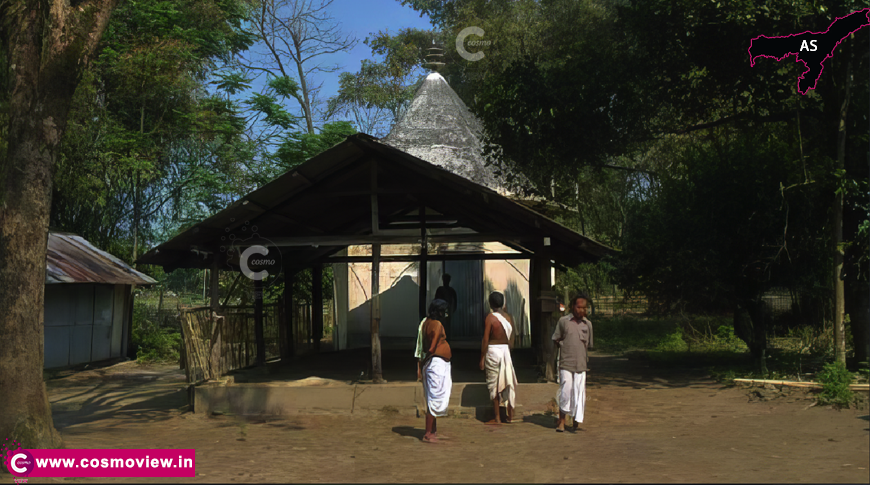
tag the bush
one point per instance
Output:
(835, 380)
(673, 342)
(156, 344)
(624, 333)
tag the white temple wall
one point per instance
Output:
(399, 294)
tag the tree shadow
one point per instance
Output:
(409, 431)
(147, 406)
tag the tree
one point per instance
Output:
(723, 89)
(47, 47)
(294, 34)
(734, 219)
(377, 95)
(144, 135)
(615, 78)
(299, 147)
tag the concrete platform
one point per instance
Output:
(314, 395)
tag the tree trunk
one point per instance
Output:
(838, 289)
(48, 44)
(750, 326)
(858, 309)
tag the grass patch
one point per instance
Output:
(667, 334)
(709, 342)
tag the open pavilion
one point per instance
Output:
(363, 192)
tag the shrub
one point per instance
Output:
(156, 344)
(673, 342)
(835, 380)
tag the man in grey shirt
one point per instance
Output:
(573, 336)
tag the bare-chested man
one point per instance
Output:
(437, 381)
(495, 358)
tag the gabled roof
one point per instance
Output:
(72, 259)
(325, 204)
(439, 128)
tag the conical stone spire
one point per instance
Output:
(439, 128)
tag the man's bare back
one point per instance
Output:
(497, 335)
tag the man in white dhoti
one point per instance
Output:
(437, 381)
(495, 357)
(573, 336)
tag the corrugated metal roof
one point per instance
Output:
(72, 259)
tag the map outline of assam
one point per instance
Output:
(811, 48)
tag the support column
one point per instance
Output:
(288, 339)
(377, 367)
(541, 335)
(258, 322)
(317, 304)
(422, 271)
(214, 302)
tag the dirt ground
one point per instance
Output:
(642, 425)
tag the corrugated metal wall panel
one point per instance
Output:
(467, 280)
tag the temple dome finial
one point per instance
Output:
(435, 57)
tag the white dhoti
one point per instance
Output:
(437, 384)
(501, 380)
(572, 394)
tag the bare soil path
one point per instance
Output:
(642, 425)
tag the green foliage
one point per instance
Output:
(152, 342)
(147, 149)
(835, 380)
(273, 111)
(377, 95)
(300, 146)
(673, 342)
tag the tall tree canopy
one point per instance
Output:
(595, 86)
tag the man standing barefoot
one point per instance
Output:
(573, 336)
(437, 381)
(495, 358)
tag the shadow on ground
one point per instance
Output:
(409, 431)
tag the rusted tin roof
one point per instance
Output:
(72, 259)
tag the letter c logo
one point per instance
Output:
(243, 262)
(14, 463)
(460, 43)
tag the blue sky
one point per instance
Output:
(362, 17)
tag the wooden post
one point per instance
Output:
(377, 368)
(317, 304)
(214, 301)
(535, 306)
(540, 283)
(258, 322)
(422, 273)
(289, 311)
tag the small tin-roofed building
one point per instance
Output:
(87, 302)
